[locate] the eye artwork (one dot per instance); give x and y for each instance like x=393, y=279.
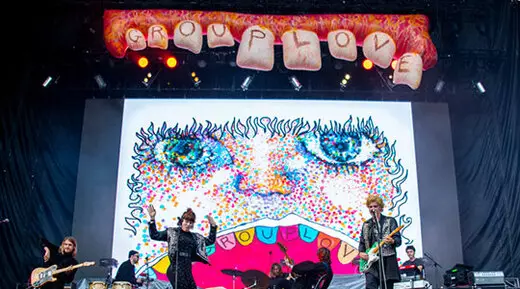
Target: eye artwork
x=264, y=180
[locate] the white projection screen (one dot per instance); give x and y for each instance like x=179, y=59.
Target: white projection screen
x=294, y=172
x=261, y=168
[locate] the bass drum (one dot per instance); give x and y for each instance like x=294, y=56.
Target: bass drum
x=121, y=285
x=97, y=285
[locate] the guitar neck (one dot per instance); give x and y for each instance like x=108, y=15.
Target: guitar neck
x=68, y=269
x=389, y=235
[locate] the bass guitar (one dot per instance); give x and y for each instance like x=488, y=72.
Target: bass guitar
x=41, y=276
x=364, y=265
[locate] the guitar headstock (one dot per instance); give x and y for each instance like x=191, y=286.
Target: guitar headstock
x=282, y=247
x=87, y=264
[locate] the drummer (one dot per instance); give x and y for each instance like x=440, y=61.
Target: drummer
x=126, y=272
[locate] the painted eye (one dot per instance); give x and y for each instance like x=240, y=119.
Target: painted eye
x=341, y=149
x=191, y=152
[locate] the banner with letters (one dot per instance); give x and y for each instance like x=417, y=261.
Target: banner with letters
x=383, y=38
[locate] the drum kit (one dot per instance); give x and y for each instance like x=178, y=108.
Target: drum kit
x=108, y=263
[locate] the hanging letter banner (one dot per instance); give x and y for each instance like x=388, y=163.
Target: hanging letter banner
x=383, y=38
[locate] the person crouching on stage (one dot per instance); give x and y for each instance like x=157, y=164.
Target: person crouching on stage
x=184, y=247
x=278, y=279
x=309, y=272
x=62, y=256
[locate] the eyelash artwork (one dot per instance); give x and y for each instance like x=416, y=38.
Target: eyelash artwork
x=198, y=149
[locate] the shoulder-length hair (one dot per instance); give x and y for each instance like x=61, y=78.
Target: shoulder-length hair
x=73, y=241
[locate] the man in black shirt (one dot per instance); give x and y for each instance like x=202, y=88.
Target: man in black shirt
x=126, y=271
x=410, y=251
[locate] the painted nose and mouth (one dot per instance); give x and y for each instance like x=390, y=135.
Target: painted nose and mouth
x=265, y=185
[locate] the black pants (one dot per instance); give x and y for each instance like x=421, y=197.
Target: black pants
x=372, y=282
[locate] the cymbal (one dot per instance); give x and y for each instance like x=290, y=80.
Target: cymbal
x=231, y=272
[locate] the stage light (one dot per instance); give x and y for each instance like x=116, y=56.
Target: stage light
x=100, y=81
x=394, y=64
x=480, y=87
x=47, y=81
x=202, y=63
x=439, y=86
x=247, y=81
x=142, y=62
x=171, y=62
x=195, y=79
x=295, y=83
x=149, y=75
x=347, y=76
x=368, y=64
x=344, y=81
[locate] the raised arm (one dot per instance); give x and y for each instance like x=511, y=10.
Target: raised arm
x=210, y=240
x=152, y=227
x=45, y=243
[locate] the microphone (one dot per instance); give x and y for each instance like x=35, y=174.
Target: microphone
x=6, y=220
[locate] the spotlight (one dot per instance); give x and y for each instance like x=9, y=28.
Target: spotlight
x=202, y=63
x=480, y=87
x=247, y=81
x=394, y=64
x=171, y=62
x=150, y=78
x=100, y=81
x=142, y=62
x=439, y=86
x=347, y=76
x=47, y=81
x=368, y=64
x=295, y=83
x=195, y=79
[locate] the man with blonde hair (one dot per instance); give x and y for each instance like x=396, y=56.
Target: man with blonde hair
x=374, y=230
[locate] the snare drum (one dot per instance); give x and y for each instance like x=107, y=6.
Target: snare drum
x=97, y=285
x=121, y=285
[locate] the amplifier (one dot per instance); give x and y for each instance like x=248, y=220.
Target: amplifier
x=486, y=277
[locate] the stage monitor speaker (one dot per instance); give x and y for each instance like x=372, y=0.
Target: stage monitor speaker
x=457, y=276
x=486, y=278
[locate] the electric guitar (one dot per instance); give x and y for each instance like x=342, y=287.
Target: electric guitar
x=364, y=265
x=284, y=251
x=41, y=276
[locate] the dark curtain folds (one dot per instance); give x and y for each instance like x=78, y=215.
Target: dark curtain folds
x=39, y=145
x=486, y=143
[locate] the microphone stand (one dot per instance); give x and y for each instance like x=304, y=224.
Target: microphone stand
x=177, y=257
x=147, y=273
x=437, y=266
x=382, y=277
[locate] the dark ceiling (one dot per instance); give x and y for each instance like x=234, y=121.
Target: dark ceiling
x=67, y=42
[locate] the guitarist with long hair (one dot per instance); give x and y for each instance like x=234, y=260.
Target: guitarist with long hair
x=391, y=239
x=62, y=256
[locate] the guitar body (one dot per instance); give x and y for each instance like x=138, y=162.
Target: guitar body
x=41, y=276
x=364, y=265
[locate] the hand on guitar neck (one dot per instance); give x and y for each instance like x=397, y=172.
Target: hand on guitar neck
x=288, y=261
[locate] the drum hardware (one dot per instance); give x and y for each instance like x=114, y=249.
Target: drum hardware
x=108, y=263
x=121, y=285
x=233, y=273
x=97, y=285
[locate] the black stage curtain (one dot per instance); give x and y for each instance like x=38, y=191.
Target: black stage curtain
x=40, y=135
x=486, y=141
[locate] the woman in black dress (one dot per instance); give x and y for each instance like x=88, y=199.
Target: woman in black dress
x=184, y=247
x=62, y=256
